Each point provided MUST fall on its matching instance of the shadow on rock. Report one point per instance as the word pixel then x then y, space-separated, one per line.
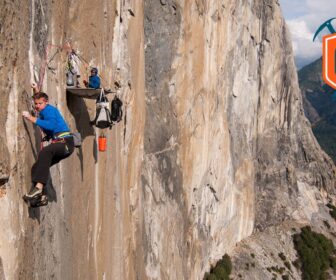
pixel 78 109
pixel 49 191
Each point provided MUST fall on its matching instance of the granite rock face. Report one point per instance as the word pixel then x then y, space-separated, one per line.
pixel 213 155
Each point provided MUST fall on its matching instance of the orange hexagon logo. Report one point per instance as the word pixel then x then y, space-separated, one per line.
pixel 329 60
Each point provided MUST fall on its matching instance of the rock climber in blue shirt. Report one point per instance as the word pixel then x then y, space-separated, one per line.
pixel 94 80
pixel 54 126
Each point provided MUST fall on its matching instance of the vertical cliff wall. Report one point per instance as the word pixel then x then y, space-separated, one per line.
pixel 213 146
pixel 89 192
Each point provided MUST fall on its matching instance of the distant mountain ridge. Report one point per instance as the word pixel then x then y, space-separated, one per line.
pixel 319 102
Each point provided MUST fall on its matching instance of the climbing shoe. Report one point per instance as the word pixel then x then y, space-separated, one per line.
pixel 38 201
pixel 33 193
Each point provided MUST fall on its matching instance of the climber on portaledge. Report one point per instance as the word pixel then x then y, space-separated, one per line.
pixel 94 80
pixel 54 126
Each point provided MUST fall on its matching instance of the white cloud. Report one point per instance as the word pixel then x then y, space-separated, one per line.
pixel 303 18
pixel 305 49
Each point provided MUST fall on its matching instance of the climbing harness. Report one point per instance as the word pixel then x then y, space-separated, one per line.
pixel 62 135
pixel 58 140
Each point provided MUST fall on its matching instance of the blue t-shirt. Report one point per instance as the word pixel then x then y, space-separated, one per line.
pixel 94 82
pixel 51 121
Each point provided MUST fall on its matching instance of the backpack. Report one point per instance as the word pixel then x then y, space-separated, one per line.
pixel 116 109
pixel 103 115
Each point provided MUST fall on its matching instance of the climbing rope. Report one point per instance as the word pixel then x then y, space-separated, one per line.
pixel 41 71
pixel 46 61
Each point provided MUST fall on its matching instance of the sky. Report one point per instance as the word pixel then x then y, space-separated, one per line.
pixel 303 18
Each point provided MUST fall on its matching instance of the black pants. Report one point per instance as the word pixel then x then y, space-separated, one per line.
pixel 49 156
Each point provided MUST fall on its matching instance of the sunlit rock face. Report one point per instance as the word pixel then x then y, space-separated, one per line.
pixel 213 145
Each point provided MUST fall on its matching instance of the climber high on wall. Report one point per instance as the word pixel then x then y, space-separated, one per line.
pixel 57 131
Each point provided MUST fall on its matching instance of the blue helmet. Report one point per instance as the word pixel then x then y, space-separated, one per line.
pixel 95 70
